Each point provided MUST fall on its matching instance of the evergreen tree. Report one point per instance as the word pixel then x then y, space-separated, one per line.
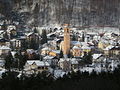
pixel 44 37
pixel 74 38
pixel 21 60
pixel 87 58
pixel 83 37
pixel 61 54
pixel 35 30
pixel 6 35
pixel 8 61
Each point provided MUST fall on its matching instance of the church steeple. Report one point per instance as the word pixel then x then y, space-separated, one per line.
pixel 66 43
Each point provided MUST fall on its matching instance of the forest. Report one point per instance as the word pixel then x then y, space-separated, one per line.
pixel 70 81
pixel 74 12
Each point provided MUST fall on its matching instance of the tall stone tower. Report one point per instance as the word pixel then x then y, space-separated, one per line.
pixel 66 42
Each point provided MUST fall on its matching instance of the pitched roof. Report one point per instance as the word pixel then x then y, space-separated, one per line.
pixel 109 47
pixel 38 63
pixel 76 47
pixel 96 56
pixel 4 48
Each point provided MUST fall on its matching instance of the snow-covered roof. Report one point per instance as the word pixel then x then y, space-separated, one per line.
pixel 4 48
pixel 13 40
pixel 109 47
pixel 28 34
pixel 2 62
pixel 2 71
pixel 48 57
pixel 13 53
pixel 11 27
pixel 63 59
pixel 48 35
pixel 1 31
pixel 85 47
pixel 74 61
pixel 56 51
pixel 96 56
pixel 45 48
pixel 30 51
pixel 58 73
pixel 84 43
pixel 74 42
pixel 75 47
pixel 38 63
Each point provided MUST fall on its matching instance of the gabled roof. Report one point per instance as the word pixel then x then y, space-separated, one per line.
pixel 75 47
pixel 3 40
pixel 86 47
pixel 28 34
pixel 49 57
pixel 38 63
pixel 96 56
pixel 11 27
pixel 109 47
pixel 4 48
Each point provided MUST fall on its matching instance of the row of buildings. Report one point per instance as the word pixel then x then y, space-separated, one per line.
pixel 64 51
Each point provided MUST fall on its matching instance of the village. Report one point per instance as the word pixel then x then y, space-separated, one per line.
pixel 58 50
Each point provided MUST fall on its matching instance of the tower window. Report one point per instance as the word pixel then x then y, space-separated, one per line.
pixel 67 30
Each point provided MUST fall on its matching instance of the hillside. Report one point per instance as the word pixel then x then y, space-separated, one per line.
pixel 74 12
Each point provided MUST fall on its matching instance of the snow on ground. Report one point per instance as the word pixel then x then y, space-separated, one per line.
pixel 98 68
pixel 59 73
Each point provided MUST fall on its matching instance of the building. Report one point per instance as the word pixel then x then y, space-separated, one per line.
pixel 11 31
pixel 4 50
pixel 18 43
pixel 97 57
pixel 76 51
pixel 4 42
pixel 112 50
pixel 68 64
pixel 64 64
pixel 33 40
pixel 86 49
pixel 66 43
pixel 36 66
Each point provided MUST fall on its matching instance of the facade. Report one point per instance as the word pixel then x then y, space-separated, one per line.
pixel 36 66
pixel 68 64
pixel 64 64
pixel 4 50
pixel 4 42
pixel 66 42
pixel 76 51
pixel 33 40
pixel 112 50
pixel 11 31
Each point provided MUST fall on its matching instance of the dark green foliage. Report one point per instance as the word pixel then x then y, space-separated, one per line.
pixel 8 61
pixel 19 61
pixel 32 44
pixel 6 35
pixel 70 81
pixel 44 37
pixel 74 37
pixel 61 54
pixel 87 58
pixel 83 37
